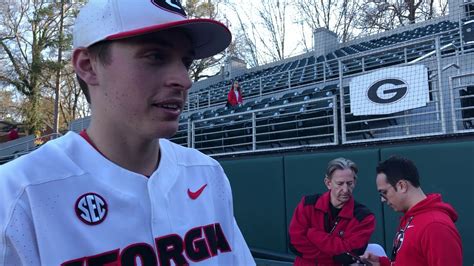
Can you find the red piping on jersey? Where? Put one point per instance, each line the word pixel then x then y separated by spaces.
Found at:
pixel 84 134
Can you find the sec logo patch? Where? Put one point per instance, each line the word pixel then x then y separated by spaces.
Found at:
pixel 91 208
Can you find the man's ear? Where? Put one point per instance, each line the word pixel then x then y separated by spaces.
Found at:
pixel 327 182
pixel 83 64
pixel 403 185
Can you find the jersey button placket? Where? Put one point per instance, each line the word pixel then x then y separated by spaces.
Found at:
pixel 160 223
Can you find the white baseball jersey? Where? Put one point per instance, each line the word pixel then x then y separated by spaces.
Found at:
pixel 66 204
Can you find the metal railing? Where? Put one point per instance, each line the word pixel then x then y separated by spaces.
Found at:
pixel 461 89
pixel 309 123
pixel 430 120
pixel 328 70
pixel 8 152
pixel 421 122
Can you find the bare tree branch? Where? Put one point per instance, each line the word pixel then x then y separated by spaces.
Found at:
pixel 377 16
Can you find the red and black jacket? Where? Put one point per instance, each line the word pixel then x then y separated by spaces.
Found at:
pixel 318 241
pixel 232 99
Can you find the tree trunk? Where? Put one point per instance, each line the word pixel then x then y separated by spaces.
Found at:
pixel 32 115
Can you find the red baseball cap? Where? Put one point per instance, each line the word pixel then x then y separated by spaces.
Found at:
pixel 101 20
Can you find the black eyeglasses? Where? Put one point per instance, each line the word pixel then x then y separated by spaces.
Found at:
pixel 399 237
pixel 383 192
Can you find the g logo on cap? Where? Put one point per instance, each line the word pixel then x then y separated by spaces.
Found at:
pixel 170 5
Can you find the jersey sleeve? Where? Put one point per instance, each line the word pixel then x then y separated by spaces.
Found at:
pixel 18 244
pixel 441 245
pixel 355 238
pixel 299 242
pixel 242 255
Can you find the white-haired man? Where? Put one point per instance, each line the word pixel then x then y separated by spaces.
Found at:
pixel 332 228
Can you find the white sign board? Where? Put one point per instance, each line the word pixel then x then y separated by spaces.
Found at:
pixel 389 90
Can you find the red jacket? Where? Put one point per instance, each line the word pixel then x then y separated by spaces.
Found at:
pixel 232 99
pixel 13 134
pixel 430 237
pixel 310 237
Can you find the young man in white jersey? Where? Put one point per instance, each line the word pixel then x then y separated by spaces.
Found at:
pixel 119 193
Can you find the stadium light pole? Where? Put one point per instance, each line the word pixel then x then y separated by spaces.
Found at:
pixel 58 72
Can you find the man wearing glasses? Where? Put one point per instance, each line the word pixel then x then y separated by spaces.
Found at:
pixel 427 234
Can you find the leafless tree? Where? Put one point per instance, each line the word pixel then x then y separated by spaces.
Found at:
pixel 204 9
pixel 273 19
pixel 336 15
pixel 261 30
pixel 9 108
pixel 381 15
pixel 245 39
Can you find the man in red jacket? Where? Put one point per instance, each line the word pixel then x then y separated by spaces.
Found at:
pixel 427 234
pixel 326 229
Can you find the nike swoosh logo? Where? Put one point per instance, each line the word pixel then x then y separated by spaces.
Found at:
pixel 196 194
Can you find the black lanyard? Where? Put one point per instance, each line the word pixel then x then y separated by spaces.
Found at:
pixel 399 237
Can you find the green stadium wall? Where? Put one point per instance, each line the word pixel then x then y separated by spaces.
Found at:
pixel 266 189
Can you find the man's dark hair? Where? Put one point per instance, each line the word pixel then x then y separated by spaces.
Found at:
pixel 101 51
pixel 397 168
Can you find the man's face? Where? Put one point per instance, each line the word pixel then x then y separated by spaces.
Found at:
pixel 144 88
pixel 341 185
pixel 388 193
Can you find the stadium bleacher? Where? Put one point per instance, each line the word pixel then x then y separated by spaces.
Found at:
pixel 300 102
pixel 311 69
pixel 467 102
pixel 305 101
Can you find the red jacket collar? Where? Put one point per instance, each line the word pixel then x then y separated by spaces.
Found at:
pixel 323 205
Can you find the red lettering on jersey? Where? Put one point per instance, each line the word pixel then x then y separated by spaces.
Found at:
pixel 216 239
pixel 169 248
pixel 143 251
pixel 199 244
pixel 108 258
pixel 196 247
